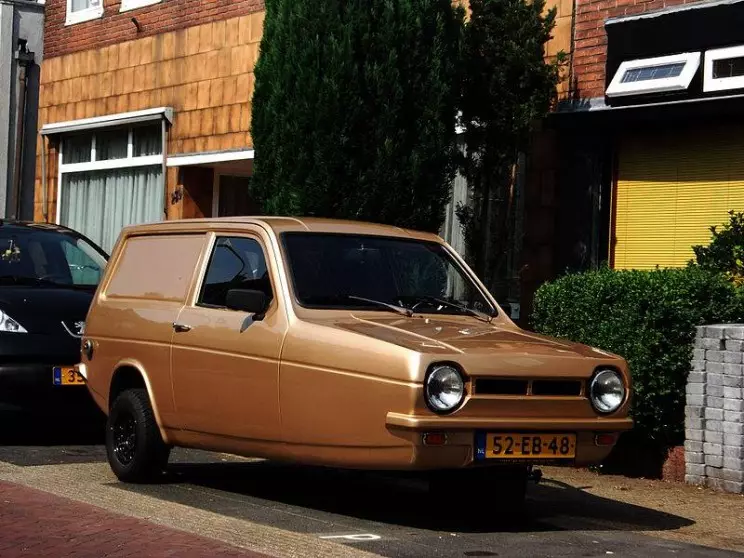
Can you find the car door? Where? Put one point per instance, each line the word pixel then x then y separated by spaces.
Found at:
pixel 225 363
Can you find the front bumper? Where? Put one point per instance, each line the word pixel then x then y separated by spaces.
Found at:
pixel 461 448
pixel 28 387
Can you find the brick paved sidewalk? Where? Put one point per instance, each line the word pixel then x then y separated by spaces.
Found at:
pixel 37 524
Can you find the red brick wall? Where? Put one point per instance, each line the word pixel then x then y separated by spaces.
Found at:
pixel 115 27
pixel 591 41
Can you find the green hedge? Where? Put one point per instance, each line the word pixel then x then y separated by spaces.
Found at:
pixel 648 317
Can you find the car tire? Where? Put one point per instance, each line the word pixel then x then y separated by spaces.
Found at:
pixel 135 450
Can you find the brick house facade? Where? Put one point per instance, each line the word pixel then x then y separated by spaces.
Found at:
pixel 647 146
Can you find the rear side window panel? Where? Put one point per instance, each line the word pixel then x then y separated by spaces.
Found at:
pixel 156 267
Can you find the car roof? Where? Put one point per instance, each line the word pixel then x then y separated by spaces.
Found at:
pixel 30 225
pixel 287 224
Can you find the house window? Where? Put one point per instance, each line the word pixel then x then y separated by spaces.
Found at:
pixel 654 75
pixel 111 178
pixel 83 10
pixel 127 5
pixel 724 69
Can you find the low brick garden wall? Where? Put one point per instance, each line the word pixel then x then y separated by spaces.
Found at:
pixel 714 411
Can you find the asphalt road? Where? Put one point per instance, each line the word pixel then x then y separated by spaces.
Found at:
pixel 385 516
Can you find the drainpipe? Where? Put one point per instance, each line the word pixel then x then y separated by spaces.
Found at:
pixel 24 59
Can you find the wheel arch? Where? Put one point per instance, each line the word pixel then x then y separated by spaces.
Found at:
pixel 130 374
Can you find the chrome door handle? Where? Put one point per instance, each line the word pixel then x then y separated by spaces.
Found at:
pixel 181 328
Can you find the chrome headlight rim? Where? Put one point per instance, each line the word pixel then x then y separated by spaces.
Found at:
pixel 433 369
pixel 593 382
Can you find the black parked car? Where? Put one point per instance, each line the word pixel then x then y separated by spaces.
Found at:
pixel 48 275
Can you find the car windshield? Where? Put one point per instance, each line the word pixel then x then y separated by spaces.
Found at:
pixel 344 271
pixel 37 256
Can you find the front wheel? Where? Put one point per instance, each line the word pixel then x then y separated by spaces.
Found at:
pixel 135 450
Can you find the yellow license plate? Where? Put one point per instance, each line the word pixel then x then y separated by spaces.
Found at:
pixel 530 446
pixel 67 376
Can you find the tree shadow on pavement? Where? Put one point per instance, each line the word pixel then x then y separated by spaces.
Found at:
pixel 391 499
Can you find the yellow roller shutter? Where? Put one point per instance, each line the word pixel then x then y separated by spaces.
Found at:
pixel 670 189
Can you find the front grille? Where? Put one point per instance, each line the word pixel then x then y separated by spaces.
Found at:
pixel 540 388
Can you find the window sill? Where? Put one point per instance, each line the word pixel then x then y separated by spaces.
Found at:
pixel 84 15
pixel 127 6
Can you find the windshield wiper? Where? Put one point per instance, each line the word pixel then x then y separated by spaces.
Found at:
pixel 25 280
pixel 471 311
pixel 397 309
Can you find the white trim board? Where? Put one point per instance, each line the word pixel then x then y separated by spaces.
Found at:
pixel 120 119
pixel 188 159
pixel 724 83
pixel 691 61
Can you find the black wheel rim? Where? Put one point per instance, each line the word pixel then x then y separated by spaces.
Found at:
pixel 125 437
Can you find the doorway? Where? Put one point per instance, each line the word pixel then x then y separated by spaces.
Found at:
pixel 232 196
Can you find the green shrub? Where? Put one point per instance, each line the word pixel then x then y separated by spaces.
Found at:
pixel 725 253
pixel 649 318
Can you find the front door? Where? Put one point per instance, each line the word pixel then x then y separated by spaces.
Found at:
pixel 226 364
pixel 233 196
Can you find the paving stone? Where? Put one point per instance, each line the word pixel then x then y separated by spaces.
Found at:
pixel 714 402
pixel 694 458
pixel 694 411
pixel 733 416
pixel 734 345
pixel 695 480
pixel 734 331
pixel 694 435
pixel 731 452
pixel 716 331
pixel 713 425
pixel 714 356
pixel 714 483
pixel 736 440
pixel 731 405
pixel 695 400
pixel 713 368
pixel 713 414
pixel 734 393
pixel 713 379
pixel 714 391
pixel 733 369
pixel 699 354
pixel 733 381
pixel 694 469
pixel 733 487
pixel 732 357
pixel 697 365
pixel 714 461
pixel 710 448
pixel 709 344
pixel 693 446
pixel 732 464
pixel 693 423
pixel 695 389
pixel 695 377
pixel 733 428
pixel 733 475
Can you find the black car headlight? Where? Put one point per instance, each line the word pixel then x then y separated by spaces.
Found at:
pixel 444 388
pixel 607 391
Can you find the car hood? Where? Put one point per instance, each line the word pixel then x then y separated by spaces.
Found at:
pixel 467 336
pixel 45 309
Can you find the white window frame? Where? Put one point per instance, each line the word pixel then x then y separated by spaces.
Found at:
pixel 127 5
pixel 661 85
pixel 88 14
pixel 721 84
pixel 130 161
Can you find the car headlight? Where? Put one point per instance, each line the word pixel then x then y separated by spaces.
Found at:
pixel 607 391
pixel 444 389
pixel 9 325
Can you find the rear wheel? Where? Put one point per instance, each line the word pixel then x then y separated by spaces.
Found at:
pixel 136 451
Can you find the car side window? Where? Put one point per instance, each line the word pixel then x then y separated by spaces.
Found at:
pixel 235 263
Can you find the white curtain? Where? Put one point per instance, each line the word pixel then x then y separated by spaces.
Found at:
pixel 99 204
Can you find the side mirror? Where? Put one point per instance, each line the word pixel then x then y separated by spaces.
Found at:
pixel 245 300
